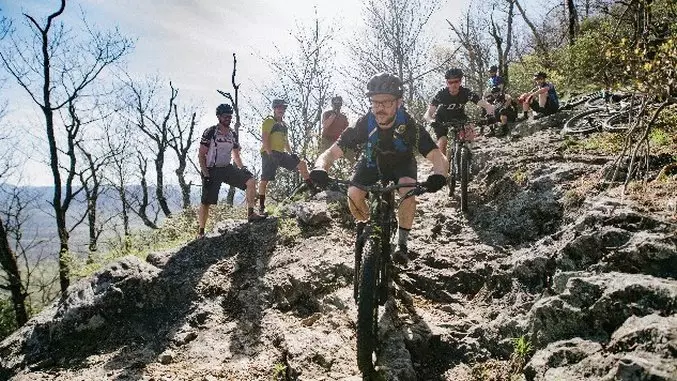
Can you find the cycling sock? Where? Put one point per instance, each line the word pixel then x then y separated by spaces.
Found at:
pixel 201 231
pixel 402 236
pixel 250 211
pixel 262 201
pixel 359 228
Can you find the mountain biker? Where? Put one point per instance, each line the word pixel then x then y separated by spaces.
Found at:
pixel 275 142
pixel 542 99
pixel 391 138
pixel 219 144
pixel 495 80
pixel 448 105
pixel 505 110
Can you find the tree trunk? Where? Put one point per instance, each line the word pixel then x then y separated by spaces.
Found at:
pixel 160 189
pixel 185 188
pixel 573 21
pixel 11 268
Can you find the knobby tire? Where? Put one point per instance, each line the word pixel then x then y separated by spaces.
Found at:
pixel 579 124
pixel 451 181
pixel 465 170
pixel 367 306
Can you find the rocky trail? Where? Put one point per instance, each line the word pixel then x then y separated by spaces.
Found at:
pixel 549 276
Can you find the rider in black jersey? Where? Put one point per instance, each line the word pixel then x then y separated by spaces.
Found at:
pixel 448 105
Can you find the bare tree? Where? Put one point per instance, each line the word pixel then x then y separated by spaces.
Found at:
pixel 141 205
pixel 395 41
pixel 469 34
pixel 118 173
pixel 181 140
pixel 61 71
pixel 503 36
pixel 304 78
pixel 235 101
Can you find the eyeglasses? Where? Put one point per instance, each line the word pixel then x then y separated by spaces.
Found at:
pixel 382 104
pixel 453 81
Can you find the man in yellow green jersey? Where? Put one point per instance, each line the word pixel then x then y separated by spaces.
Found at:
pixel 276 151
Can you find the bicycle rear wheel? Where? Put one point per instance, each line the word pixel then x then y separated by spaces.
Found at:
pixel 583 122
pixel 367 307
pixel 465 173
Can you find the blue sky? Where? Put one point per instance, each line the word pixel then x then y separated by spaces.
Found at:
pixel 192 42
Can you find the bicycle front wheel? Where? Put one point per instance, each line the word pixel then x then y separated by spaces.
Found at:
pixel 618 122
pixel 583 122
pixel 465 174
pixel 451 181
pixel 367 307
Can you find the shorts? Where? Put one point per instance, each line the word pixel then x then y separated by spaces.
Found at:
pixel 548 109
pixel 441 129
pixel 370 175
pixel 276 159
pixel 229 175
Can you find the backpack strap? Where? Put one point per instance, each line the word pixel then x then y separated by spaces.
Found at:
pixel 372 136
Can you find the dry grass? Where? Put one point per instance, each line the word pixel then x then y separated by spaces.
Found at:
pixel 656 197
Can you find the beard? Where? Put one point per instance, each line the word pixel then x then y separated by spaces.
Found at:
pixel 384 119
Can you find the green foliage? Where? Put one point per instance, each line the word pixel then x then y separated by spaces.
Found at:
pixel 279 371
pixel 176 230
pixel 288 230
pixel 520 354
pixel 7 318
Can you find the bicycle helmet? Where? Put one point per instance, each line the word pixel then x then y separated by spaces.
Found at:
pixel 493 69
pixel 385 83
pixel 224 108
pixel 540 75
pixel 453 73
pixel 337 101
pixel 279 102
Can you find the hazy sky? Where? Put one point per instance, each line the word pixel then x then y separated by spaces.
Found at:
pixel 192 42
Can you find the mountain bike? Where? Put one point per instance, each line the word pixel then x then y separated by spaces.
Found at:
pixel 461 134
pixel 373 266
pixel 612 115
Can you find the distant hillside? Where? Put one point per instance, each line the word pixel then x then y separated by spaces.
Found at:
pixel 40 225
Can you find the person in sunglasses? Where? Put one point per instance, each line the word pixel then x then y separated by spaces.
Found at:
pixel 448 105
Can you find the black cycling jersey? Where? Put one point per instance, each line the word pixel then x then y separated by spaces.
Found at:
pixel 452 107
pixel 414 136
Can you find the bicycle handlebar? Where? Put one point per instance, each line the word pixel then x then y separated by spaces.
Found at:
pixel 418 188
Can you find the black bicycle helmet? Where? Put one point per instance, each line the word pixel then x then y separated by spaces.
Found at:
pixel 493 69
pixel 453 73
pixel 224 108
pixel 540 75
pixel 385 83
pixel 279 102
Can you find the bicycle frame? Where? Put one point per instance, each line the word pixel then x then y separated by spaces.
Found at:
pixel 372 281
pixel 459 155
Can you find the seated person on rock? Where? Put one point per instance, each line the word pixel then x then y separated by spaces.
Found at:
pixel 542 100
pixel 505 111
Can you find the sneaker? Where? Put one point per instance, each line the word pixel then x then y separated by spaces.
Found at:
pixel 522 118
pixel 256 217
pixel 492 132
pixel 401 255
pixel 199 235
pixel 538 115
